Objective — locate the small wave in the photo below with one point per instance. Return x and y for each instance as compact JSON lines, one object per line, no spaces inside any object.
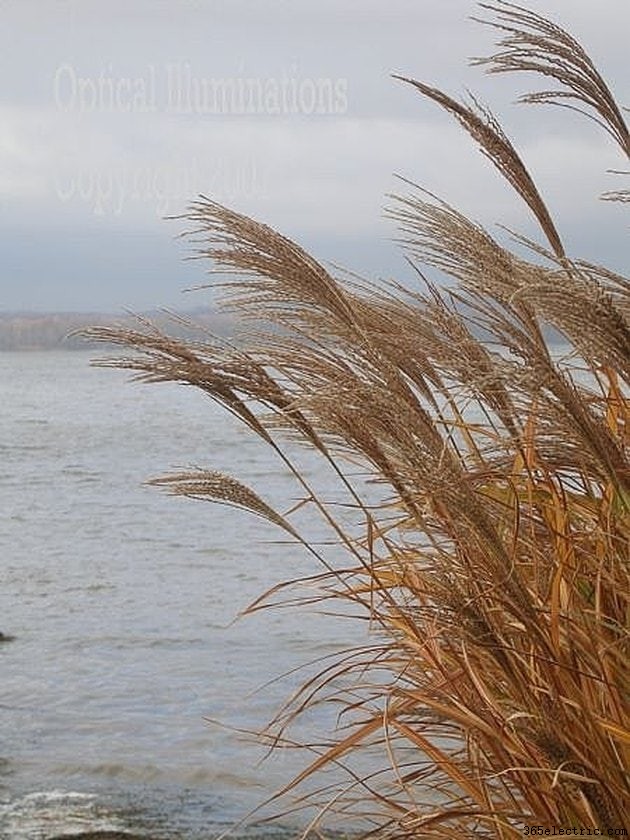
{"x":23,"y":447}
{"x":91,"y":588}
{"x":44,"y":814}
{"x":132,"y":642}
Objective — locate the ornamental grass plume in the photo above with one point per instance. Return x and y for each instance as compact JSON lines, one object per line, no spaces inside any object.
{"x":495,"y":571}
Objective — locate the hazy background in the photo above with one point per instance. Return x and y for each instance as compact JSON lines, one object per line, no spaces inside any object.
{"x":84,"y":184}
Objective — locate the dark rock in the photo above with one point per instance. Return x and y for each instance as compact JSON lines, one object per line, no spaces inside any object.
{"x":6,"y":638}
{"x":102,"y":835}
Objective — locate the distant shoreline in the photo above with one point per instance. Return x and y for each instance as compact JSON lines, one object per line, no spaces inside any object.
{"x":36,"y":331}
{"x":29,"y":332}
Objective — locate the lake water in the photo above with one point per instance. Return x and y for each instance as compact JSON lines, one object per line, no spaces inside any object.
{"x":120,"y":599}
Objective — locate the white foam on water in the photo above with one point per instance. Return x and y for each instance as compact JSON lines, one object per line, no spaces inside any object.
{"x":41,"y":815}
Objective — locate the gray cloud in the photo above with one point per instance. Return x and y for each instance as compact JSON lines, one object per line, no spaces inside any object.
{"x":97,"y":141}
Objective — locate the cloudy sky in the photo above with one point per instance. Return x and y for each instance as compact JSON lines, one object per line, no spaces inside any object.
{"x":114,"y":115}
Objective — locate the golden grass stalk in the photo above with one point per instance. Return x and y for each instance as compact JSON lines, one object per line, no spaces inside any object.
{"x":495,"y":570}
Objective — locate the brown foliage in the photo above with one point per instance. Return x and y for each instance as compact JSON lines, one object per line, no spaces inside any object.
{"x":496,"y":570}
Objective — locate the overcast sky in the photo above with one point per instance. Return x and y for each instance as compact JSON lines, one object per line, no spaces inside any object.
{"x":113,"y":115}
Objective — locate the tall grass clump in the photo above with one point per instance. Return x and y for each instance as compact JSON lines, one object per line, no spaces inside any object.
{"x":494,"y":690}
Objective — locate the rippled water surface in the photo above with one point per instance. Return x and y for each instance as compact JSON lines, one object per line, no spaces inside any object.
{"x":120,"y":599}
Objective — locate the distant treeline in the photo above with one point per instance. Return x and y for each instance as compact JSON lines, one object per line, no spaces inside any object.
{"x":57,"y":330}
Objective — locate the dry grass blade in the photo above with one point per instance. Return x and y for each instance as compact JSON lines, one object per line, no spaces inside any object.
{"x":210,"y":485}
{"x":617,"y":195}
{"x":535,"y":44}
{"x":483,"y":127}
{"x":276,"y":273}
